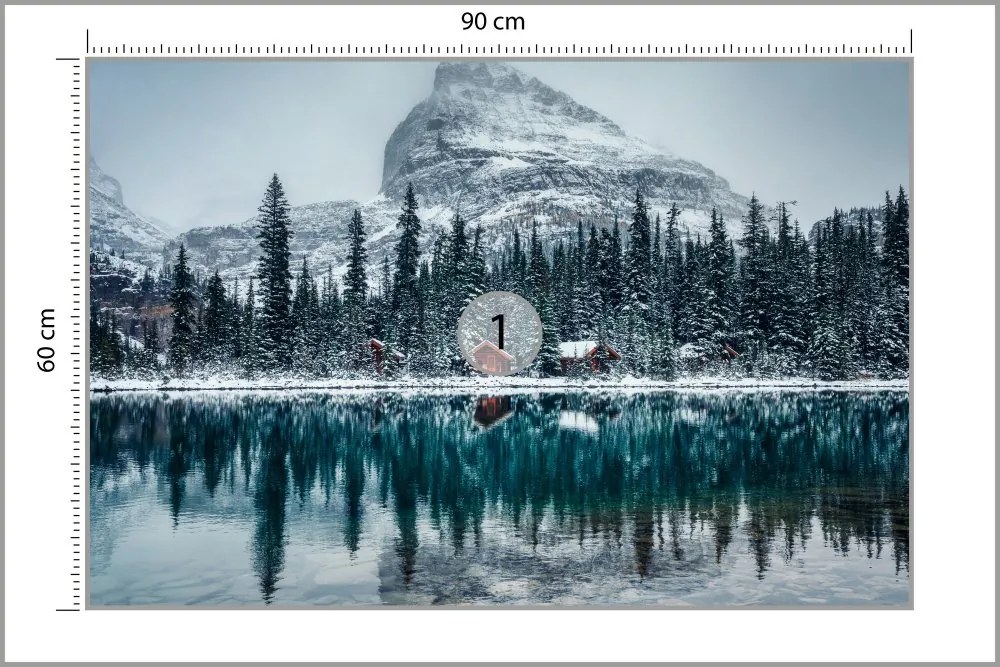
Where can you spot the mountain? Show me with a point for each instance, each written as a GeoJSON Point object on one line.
{"type": "Point", "coordinates": [114, 226]}
{"type": "Point", "coordinates": [500, 145]}
{"type": "Point", "coordinates": [504, 149]}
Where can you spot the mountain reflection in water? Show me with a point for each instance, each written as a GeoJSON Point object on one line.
{"type": "Point", "coordinates": [580, 498]}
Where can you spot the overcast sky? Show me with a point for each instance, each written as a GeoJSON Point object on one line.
{"type": "Point", "coordinates": [194, 142]}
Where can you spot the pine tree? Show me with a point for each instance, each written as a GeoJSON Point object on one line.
{"type": "Point", "coordinates": [182, 300]}
{"type": "Point", "coordinates": [595, 308]}
{"type": "Point", "coordinates": [720, 273]}
{"type": "Point", "coordinates": [699, 324]}
{"type": "Point", "coordinates": [638, 266]}
{"type": "Point", "coordinates": [331, 334]}
{"type": "Point", "coordinates": [405, 297]}
{"type": "Point", "coordinates": [638, 296]}
{"type": "Point", "coordinates": [305, 321]}
{"type": "Point", "coordinates": [896, 279]}
{"type": "Point", "coordinates": [519, 266]}
{"type": "Point", "coordinates": [872, 298]}
{"type": "Point", "coordinates": [538, 270]}
{"type": "Point", "coordinates": [611, 269]}
{"type": "Point", "coordinates": [548, 360]}
{"type": "Point", "coordinates": [671, 272]}
{"type": "Point", "coordinates": [235, 322]}
{"type": "Point", "coordinates": [476, 272]}
{"type": "Point", "coordinates": [355, 327]}
{"type": "Point", "coordinates": [251, 349]}
{"type": "Point", "coordinates": [579, 293]}
{"type": "Point", "coordinates": [217, 334]}
{"type": "Point", "coordinates": [559, 284]}
{"type": "Point", "coordinates": [754, 304]}
{"type": "Point", "coordinates": [789, 279]}
{"type": "Point", "coordinates": [150, 345]}
{"type": "Point", "coordinates": [824, 346]}
{"type": "Point", "coordinates": [274, 232]}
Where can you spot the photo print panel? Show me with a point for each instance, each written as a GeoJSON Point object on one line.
{"type": "Point", "coordinates": [497, 332]}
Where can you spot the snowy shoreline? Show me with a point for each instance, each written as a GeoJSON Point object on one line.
{"type": "Point", "coordinates": [480, 384]}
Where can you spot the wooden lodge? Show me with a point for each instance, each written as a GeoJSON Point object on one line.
{"type": "Point", "coordinates": [491, 359]}
{"type": "Point", "coordinates": [583, 354]}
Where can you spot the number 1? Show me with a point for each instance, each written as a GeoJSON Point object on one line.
{"type": "Point", "coordinates": [499, 318]}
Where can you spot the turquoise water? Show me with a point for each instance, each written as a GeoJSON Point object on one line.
{"type": "Point", "coordinates": [728, 498]}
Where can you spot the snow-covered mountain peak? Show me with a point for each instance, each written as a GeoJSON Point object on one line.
{"type": "Point", "coordinates": [479, 75]}
{"type": "Point", "coordinates": [502, 145]}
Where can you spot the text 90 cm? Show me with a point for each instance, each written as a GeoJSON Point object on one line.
{"type": "Point", "coordinates": [480, 21]}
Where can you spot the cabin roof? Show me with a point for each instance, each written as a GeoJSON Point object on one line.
{"type": "Point", "coordinates": [490, 347]}
{"type": "Point", "coordinates": [582, 349]}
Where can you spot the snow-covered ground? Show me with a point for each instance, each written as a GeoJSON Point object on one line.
{"type": "Point", "coordinates": [490, 384]}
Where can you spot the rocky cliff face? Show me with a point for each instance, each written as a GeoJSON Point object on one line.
{"type": "Point", "coordinates": [114, 226]}
{"type": "Point", "coordinates": [498, 144]}
{"type": "Point", "coordinates": [504, 149]}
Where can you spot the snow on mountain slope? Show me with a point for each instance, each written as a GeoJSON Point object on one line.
{"type": "Point", "coordinates": [504, 149]}
{"type": "Point", "coordinates": [498, 144]}
{"type": "Point", "coordinates": [114, 226]}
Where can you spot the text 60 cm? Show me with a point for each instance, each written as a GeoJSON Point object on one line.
{"type": "Point", "coordinates": [48, 332]}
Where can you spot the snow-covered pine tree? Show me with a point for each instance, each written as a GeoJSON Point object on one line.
{"type": "Point", "coordinates": [594, 301]}
{"type": "Point", "coordinates": [638, 294]}
{"type": "Point", "coordinates": [700, 324]}
{"type": "Point", "coordinates": [355, 327]}
{"type": "Point", "coordinates": [537, 280]}
{"type": "Point", "coordinates": [437, 361]}
{"type": "Point", "coordinates": [548, 360]}
{"type": "Point", "coordinates": [305, 320]}
{"type": "Point", "coordinates": [720, 274]}
{"type": "Point", "coordinates": [182, 301]}
{"type": "Point", "coordinates": [234, 312]}
{"type": "Point", "coordinates": [872, 298]}
{"type": "Point", "coordinates": [216, 325]}
{"type": "Point", "coordinates": [251, 348]}
{"type": "Point", "coordinates": [579, 291]}
{"type": "Point", "coordinates": [392, 367]}
{"type": "Point", "coordinates": [518, 266]}
{"type": "Point", "coordinates": [150, 345]}
{"type": "Point", "coordinates": [786, 341]}
{"type": "Point", "coordinates": [829, 351]}
{"type": "Point", "coordinates": [419, 358]}
{"type": "Point", "coordinates": [274, 273]}
{"type": "Point", "coordinates": [672, 261]}
{"type": "Point", "coordinates": [754, 306]}
{"type": "Point", "coordinates": [476, 270]}
{"type": "Point", "coordinates": [378, 315]}
{"type": "Point", "coordinates": [896, 278]}
{"type": "Point", "coordinates": [638, 265]}
{"type": "Point", "coordinates": [405, 296]}
{"type": "Point", "coordinates": [612, 269]}
{"type": "Point", "coordinates": [328, 327]}
{"type": "Point", "coordinates": [559, 285]}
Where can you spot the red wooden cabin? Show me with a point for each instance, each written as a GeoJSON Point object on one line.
{"type": "Point", "coordinates": [491, 359]}
{"type": "Point", "coordinates": [574, 353]}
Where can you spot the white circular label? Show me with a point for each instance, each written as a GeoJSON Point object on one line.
{"type": "Point", "coordinates": [499, 333]}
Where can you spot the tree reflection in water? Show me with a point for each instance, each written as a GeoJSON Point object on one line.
{"type": "Point", "coordinates": [511, 482]}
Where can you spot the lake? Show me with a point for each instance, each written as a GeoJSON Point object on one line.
{"type": "Point", "coordinates": [720, 498]}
